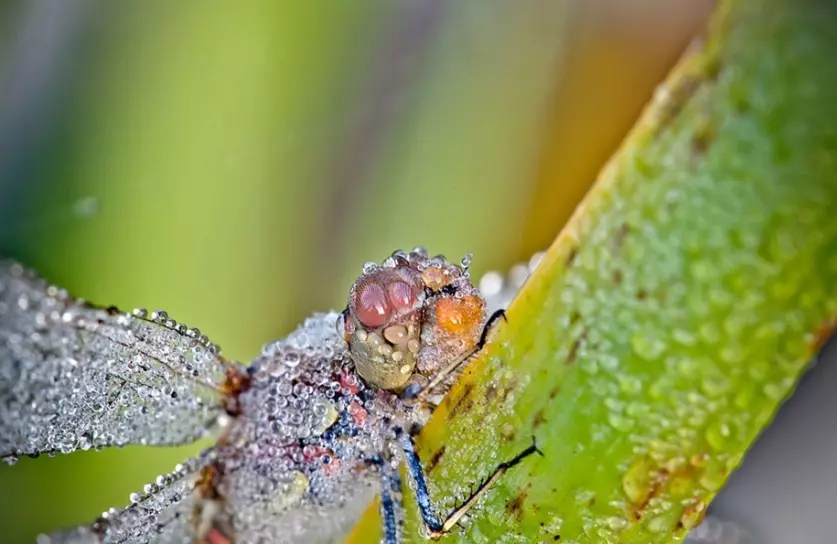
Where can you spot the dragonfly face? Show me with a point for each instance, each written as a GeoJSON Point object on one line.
{"type": "Point", "coordinates": [410, 317]}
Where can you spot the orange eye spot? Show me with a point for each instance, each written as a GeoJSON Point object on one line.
{"type": "Point", "coordinates": [457, 316]}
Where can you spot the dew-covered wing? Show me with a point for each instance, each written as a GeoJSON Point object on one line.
{"type": "Point", "coordinates": [164, 513]}
{"type": "Point", "coordinates": [269, 505]}
{"type": "Point", "coordinates": [75, 377]}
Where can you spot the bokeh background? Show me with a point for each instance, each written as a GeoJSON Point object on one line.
{"type": "Point", "coordinates": [236, 165]}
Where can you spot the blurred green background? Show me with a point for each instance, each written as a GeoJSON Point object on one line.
{"type": "Point", "coordinates": [236, 164]}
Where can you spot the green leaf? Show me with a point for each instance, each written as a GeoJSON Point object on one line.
{"type": "Point", "coordinates": [674, 313]}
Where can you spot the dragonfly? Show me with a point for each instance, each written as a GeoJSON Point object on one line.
{"type": "Point", "coordinates": [307, 434]}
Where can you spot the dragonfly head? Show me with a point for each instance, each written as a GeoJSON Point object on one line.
{"type": "Point", "coordinates": [411, 315]}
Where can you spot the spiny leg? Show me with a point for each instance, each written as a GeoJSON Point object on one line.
{"type": "Point", "coordinates": [436, 527]}
{"type": "Point", "coordinates": [419, 393]}
{"type": "Point", "coordinates": [455, 515]}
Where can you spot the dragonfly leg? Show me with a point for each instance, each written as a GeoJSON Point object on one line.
{"type": "Point", "coordinates": [489, 325]}
{"type": "Point", "coordinates": [390, 500]}
{"type": "Point", "coordinates": [436, 526]}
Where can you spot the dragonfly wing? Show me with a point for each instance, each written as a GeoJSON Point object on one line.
{"type": "Point", "coordinates": [73, 376]}
{"type": "Point", "coordinates": [79, 535]}
{"type": "Point", "coordinates": [163, 513]}
{"type": "Point", "coordinates": [267, 507]}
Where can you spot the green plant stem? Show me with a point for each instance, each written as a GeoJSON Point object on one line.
{"type": "Point", "coordinates": [674, 313]}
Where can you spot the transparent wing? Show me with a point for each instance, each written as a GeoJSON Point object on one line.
{"type": "Point", "coordinates": [162, 513]}
{"type": "Point", "coordinates": [281, 508]}
{"type": "Point", "coordinates": [76, 377]}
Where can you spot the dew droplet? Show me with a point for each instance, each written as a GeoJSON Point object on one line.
{"type": "Point", "coordinates": [716, 435]}
{"type": "Point", "coordinates": [647, 348]}
{"type": "Point", "coordinates": [620, 423]}
{"type": "Point", "coordinates": [715, 386]}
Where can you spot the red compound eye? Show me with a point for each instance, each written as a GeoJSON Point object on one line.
{"type": "Point", "coordinates": [401, 295]}
{"type": "Point", "coordinates": [371, 306]}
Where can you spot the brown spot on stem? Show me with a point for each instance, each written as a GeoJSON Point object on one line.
{"type": "Point", "coordinates": [514, 507]}
{"type": "Point", "coordinates": [647, 479]}
{"type": "Point", "coordinates": [463, 401]}
{"type": "Point", "coordinates": [508, 388]}
{"type": "Point", "coordinates": [554, 391]}
{"type": "Point", "coordinates": [490, 394]}
{"type": "Point", "coordinates": [508, 434]}
{"type": "Point", "coordinates": [539, 419]}
{"type": "Point", "coordinates": [571, 256]}
{"type": "Point", "coordinates": [619, 237]}
{"type": "Point", "coordinates": [435, 458]}
{"type": "Point", "coordinates": [655, 486]}
{"type": "Point", "coordinates": [711, 67]}
{"type": "Point", "coordinates": [703, 135]}
{"type": "Point", "coordinates": [691, 517]}
{"type": "Point", "coordinates": [574, 349]}
{"type": "Point", "coordinates": [823, 334]}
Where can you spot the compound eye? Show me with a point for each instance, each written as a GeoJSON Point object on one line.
{"type": "Point", "coordinates": [401, 296]}
{"type": "Point", "coordinates": [371, 306]}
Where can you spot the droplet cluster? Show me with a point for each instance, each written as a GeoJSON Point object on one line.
{"type": "Point", "coordinates": [161, 513]}
{"type": "Point", "coordinates": [78, 377]}
{"type": "Point", "coordinates": [294, 464]}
